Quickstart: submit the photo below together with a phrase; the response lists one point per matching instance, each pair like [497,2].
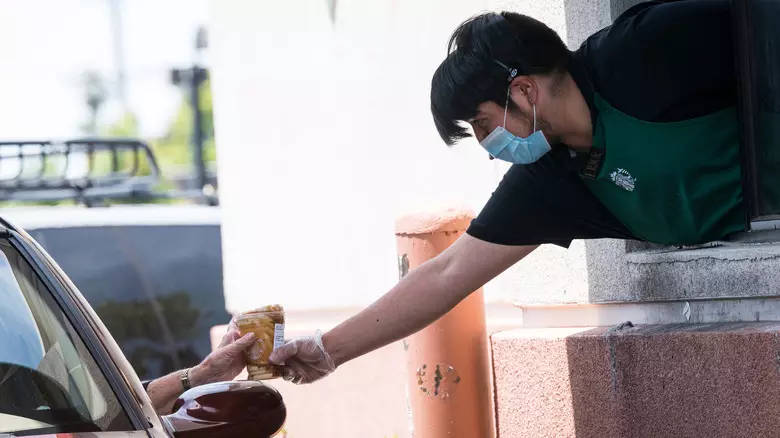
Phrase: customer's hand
[304,359]
[226,361]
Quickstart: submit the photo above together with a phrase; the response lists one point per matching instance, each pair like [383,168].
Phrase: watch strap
[185,379]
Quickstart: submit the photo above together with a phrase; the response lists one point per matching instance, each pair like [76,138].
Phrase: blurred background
[105,68]
[105,103]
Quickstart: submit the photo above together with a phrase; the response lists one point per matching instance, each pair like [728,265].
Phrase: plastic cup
[267,323]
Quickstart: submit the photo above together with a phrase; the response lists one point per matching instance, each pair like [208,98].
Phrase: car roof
[30,218]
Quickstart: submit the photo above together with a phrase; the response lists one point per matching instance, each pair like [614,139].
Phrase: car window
[49,382]
[157,288]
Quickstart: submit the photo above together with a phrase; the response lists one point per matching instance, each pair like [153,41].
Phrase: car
[62,372]
[151,271]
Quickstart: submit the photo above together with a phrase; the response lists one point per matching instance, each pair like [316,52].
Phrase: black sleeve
[544,202]
[666,61]
[515,214]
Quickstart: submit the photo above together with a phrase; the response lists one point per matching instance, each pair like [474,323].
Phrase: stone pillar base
[685,380]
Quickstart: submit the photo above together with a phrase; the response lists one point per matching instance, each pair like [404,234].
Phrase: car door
[57,374]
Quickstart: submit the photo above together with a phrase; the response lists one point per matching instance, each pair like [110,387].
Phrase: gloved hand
[304,359]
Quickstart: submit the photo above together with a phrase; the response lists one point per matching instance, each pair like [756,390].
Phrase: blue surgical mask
[506,146]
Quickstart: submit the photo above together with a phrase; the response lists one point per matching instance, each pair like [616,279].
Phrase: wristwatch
[185,379]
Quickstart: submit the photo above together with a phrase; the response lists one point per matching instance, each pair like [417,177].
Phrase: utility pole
[117,36]
[198,75]
[192,78]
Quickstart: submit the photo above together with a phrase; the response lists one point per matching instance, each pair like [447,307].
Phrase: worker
[632,136]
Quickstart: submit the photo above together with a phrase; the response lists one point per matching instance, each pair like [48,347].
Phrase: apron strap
[590,170]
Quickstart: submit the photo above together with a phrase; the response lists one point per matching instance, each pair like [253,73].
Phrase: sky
[45,45]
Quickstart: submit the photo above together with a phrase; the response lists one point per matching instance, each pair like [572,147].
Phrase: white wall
[325,136]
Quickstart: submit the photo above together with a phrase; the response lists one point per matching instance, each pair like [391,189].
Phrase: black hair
[480,53]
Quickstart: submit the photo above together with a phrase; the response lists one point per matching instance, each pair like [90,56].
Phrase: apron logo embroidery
[623,179]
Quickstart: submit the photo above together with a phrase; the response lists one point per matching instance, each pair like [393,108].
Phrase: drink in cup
[267,323]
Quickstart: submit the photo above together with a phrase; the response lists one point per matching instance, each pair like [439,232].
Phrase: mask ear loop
[506,105]
[512,75]
[534,106]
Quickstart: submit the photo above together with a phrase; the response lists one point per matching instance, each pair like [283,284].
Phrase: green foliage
[175,149]
[126,127]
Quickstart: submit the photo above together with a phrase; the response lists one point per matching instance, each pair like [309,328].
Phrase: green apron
[676,183]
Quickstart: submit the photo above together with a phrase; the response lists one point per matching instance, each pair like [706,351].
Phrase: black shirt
[658,62]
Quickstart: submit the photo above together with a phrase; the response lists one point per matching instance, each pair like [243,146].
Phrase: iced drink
[267,323]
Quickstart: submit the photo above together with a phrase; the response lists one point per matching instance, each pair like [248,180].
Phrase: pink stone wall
[709,380]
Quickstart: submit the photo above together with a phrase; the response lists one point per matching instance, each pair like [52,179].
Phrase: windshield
[49,382]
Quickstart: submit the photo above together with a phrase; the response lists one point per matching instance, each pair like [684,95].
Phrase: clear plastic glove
[304,359]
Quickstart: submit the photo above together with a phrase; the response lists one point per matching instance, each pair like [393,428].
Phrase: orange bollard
[448,363]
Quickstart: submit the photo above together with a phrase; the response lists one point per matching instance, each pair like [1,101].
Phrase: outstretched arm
[423,296]
[420,298]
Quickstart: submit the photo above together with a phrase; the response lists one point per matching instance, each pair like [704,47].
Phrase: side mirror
[228,409]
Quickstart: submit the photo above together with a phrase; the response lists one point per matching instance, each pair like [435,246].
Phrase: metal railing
[87,171]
